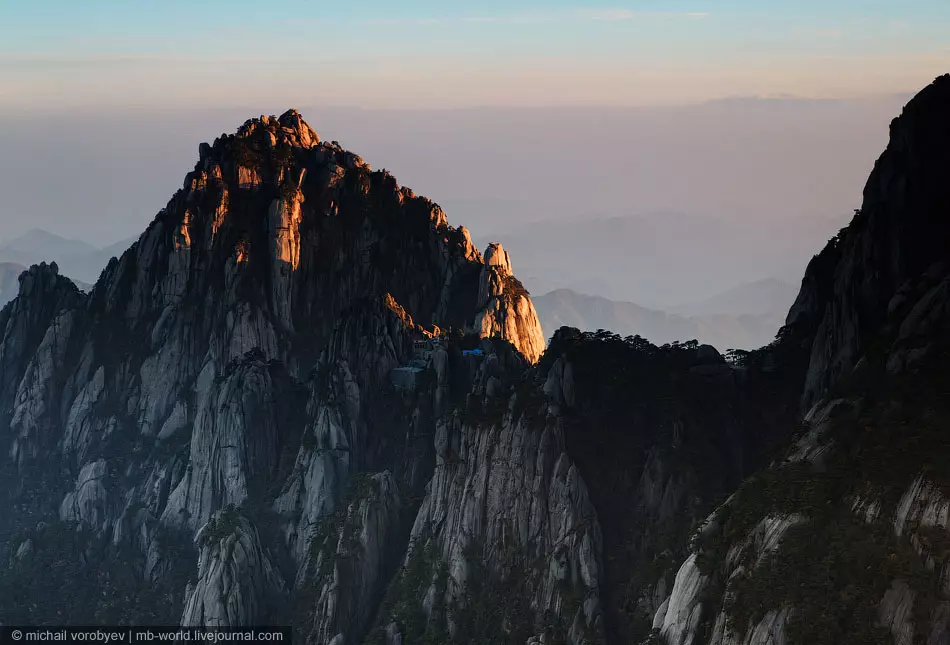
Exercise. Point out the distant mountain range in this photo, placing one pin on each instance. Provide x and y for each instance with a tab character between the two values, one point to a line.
748	326
80	261
766	296
663	259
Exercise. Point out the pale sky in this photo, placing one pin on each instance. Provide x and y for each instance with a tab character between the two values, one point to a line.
381	54
505	112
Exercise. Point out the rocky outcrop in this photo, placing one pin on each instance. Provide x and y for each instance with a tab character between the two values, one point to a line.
24	323
345	400
347	559
744	582
505	310
678	618
236	579
88	503
505	542
235	438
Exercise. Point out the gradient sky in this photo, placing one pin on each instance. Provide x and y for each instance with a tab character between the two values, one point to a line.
376	53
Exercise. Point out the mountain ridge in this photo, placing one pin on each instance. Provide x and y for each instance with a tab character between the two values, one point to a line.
764	296
78	259
39	240
568	308
301	397
620	257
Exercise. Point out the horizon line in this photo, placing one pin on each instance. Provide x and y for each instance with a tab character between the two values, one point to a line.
301	106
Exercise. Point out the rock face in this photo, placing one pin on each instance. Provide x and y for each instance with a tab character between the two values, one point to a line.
506	538
505	310
343	573
856	510
301	397
659	434
235	576
852	290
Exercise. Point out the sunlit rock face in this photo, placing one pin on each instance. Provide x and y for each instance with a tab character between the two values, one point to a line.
505	309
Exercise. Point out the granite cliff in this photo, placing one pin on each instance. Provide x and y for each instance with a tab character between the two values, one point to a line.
843	538
302	397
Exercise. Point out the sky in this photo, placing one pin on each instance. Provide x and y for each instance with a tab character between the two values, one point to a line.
512	114
102	176
424	53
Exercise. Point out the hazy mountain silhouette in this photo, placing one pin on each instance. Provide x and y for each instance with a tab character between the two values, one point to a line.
766	296
567	308
663	259
37	243
80	261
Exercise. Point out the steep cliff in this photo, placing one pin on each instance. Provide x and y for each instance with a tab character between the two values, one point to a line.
844	538
506	544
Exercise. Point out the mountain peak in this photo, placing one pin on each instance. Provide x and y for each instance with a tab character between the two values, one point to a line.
496	256
275	223
37	239
267	146
290	128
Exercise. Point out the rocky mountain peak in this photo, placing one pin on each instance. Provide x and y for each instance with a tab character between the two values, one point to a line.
505	308
281	341
271	248
290	128
273	215
497	257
